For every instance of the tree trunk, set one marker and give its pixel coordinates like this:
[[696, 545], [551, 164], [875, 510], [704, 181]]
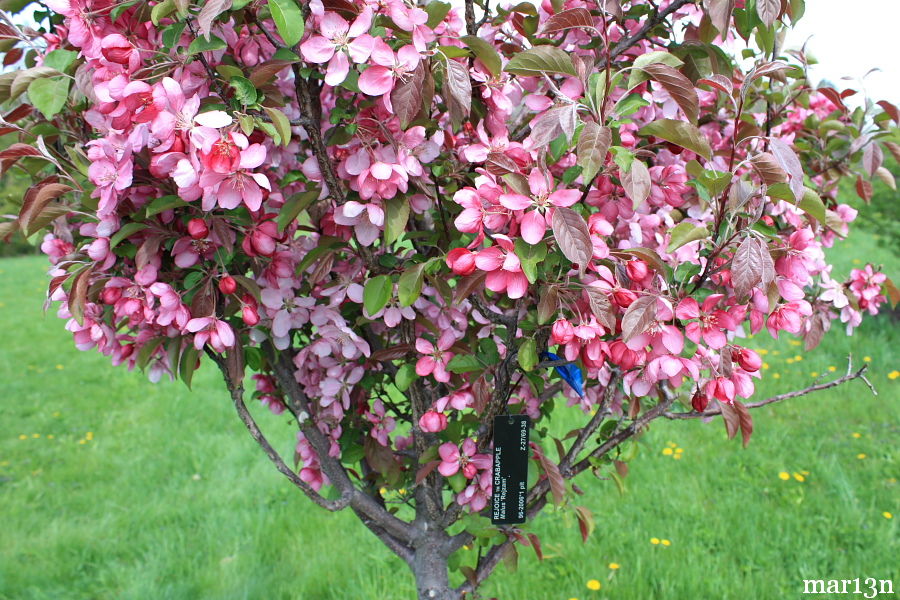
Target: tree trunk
[[429, 566]]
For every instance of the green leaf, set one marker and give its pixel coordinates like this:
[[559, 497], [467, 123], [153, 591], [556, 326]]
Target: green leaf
[[528, 358], [464, 363], [437, 12], [685, 233], [123, 233], [812, 205], [530, 257], [60, 59], [161, 11], [172, 34], [244, 90], [288, 20], [629, 104], [488, 352], [163, 204], [147, 350], [485, 52], [679, 133], [405, 376], [376, 294], [395, 218], [188, 365], [206, 45], [541, 59], [281, 123], [409, 287], [637, 75], [293, 207], [49, 94]]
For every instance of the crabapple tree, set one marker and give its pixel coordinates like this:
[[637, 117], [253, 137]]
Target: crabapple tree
[[398, 220]]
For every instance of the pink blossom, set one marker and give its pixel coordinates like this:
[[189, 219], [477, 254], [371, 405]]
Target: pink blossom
[[379, 78], [209, 329], [503, 267], [454, 459], [337, 43], [711, 323], [534, 222], [436, 358], [433, 421]]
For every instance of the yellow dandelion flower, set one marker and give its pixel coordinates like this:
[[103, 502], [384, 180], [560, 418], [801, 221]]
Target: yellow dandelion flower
[[784, 475], [82, 442], [799, 477], [50, 436], [893, 374], [860, 456], [89, 435], [798, 358], [667, 451], [765, 365], [794, 342], [593, 584], [805, 473], [856, 435], [762, 351], [790, 361], [832, 369], [35, 435], [402, 491], [857, 261], [613, 566], [573, 598], [23, 437], [382, 491], [776, 352], [677, 457], [56, 414], [60, 367], [776, 375], [654, 541], [813, 373], [671, 444], [666, 543], [867, 359], [887, 515], [593, 411], [679, 450]]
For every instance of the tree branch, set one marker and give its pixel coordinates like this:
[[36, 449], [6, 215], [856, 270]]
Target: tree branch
[[859, 374], [236, 389], [298, 402]]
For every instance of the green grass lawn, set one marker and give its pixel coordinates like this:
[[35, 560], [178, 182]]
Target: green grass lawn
[[112, 487]]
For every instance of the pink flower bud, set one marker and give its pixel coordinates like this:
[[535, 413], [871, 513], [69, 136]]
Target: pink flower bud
[[433, 421], [623, 298], [461, 261], [250, 316], [227, 285], [197, 229], [748, 359], [637, 270], [111, 295], [700, 401], [99, 249], [562, 332], [262, 243]]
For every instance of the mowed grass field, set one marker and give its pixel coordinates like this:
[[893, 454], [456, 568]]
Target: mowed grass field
[[113, 487]]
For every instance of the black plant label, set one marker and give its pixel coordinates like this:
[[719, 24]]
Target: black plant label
[[510, 484]]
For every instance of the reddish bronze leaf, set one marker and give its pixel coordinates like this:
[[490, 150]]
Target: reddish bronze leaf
[[569, 19], [573, 236], [638, 317], [601, 307], [768, 169], [745, 421], [679, 87]]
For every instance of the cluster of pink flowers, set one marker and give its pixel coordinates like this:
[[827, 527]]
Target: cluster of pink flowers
[[443, 187]]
